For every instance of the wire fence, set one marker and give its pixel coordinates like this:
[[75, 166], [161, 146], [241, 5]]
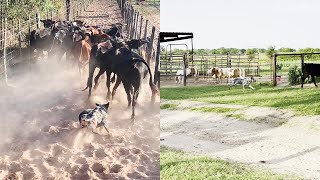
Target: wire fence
[[14, 39], [14, 35], [139, 27]]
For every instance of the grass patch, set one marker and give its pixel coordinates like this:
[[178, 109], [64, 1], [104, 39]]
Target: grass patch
[[303, 101], [168, 106], [212, 109], [237, 116], [179, 165]]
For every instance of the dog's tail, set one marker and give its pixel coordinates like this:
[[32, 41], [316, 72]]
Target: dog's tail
[[153, 87]]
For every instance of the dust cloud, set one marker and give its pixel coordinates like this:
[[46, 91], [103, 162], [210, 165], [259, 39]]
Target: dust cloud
[[41, 137]]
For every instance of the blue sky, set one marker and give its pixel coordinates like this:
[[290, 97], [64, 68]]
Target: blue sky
[[244, 23]]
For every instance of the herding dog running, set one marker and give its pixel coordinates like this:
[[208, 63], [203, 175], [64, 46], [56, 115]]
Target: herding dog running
[[242, 81], [94, 118]]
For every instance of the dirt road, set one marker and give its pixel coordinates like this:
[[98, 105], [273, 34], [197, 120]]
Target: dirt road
[[293, 148]]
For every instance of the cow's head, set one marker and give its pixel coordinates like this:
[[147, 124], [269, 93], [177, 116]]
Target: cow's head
[[105, 46], [48, 23]]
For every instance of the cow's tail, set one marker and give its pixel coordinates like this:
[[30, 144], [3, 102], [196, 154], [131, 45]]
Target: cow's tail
[[153, 87]]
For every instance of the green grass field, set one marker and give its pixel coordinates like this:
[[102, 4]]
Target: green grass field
[[168, 106], [178, 165], [302, 101]]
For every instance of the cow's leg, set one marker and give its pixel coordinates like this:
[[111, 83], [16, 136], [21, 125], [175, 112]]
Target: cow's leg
[[302, 80], [96, 79], [136, 87], [92, 67], [127, 88], [108, 84], [118, 81], [314, 80]]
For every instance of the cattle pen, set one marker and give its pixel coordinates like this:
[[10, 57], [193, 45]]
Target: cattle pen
[[15, 33], [41, 98], [289, 60]]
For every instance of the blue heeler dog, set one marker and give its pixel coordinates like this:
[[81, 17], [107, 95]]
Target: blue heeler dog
[[94, 118], [242, 81]]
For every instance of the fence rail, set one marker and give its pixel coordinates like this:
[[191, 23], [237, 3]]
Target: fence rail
[[171, 63], [138, 27]]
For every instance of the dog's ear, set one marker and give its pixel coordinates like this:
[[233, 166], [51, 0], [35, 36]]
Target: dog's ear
[[97, 104], [106, 105]]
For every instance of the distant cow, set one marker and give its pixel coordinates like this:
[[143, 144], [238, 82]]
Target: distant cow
[[220, 73], [189, 72], [310, 69]]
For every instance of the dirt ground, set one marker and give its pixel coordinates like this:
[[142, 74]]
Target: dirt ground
[[200, 81], [40, 133], [292, 148]]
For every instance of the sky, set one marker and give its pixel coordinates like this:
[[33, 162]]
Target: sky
[[244, 23]]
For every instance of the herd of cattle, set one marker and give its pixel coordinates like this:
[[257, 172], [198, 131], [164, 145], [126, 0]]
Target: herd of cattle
[[237, 75], [218, 73], [106, 49]]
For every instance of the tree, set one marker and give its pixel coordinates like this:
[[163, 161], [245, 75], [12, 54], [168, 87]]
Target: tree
[[242, 51], [250, 53], [234, 51], [284, 49], [223, 50], [270, 51], [262, 50]]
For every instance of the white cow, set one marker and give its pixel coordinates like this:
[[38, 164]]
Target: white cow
[[180, 75]]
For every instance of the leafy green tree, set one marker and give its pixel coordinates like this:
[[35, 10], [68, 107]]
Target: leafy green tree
[[284, 49], [262, 50], [242, 51], [270, 51], [222, 50], [234, 51], [250, 53]]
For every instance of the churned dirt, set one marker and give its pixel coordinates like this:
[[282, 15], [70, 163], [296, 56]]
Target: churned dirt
[[40, 133]]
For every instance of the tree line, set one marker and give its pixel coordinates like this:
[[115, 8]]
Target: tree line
[[22, 9], [268, 51]]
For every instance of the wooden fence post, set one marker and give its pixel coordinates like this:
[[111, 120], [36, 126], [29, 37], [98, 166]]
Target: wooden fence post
[[133, 24], [146, 29], [150, 45], [145, 36], [29, 49], [38, 20], [19, 38], [274, 69], [302, 61], [136, 27], [5, 49], [141, 21], [156, 66]]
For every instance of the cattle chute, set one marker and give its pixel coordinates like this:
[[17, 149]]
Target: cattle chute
[[176, 36]]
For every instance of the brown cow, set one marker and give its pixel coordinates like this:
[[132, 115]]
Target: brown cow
[[81, 51]]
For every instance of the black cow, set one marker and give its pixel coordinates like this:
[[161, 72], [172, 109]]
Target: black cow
[[136, 43], [310, 69], [127, 65]]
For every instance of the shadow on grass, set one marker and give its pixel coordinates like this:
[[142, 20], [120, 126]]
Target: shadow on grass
[[304, 101]]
